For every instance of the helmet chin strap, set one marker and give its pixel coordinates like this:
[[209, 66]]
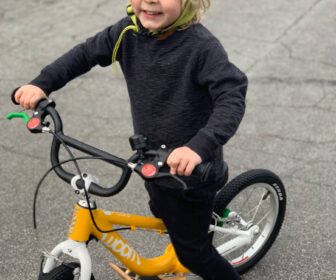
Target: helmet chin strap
[[186, 16], [133, 27]]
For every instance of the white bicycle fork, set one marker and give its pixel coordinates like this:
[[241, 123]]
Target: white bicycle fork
[[77, 250]]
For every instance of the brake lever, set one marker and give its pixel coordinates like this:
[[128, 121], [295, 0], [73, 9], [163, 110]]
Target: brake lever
[[36, 123], [154, 160], [151, 169]]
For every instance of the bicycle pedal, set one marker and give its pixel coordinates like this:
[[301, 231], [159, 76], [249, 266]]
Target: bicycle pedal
[[123, 272], [127, 275]]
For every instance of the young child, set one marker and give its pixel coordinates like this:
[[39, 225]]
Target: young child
[[184, 93]]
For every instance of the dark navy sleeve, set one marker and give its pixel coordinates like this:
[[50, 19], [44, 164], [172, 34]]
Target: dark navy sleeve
[[96, 50], [227, 86]]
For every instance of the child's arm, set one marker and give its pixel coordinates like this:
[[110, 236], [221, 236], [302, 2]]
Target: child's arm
[[227, 86], [94, 51], [79, 60]]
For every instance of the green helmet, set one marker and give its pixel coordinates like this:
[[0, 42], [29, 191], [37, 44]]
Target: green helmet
[[187, 15]]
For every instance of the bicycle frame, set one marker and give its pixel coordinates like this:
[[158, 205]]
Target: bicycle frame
[[82, 230]]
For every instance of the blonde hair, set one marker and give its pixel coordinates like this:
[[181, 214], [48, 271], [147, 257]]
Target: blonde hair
[[197, 7]]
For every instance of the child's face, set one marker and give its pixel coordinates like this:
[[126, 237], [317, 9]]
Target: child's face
[[155, 15]]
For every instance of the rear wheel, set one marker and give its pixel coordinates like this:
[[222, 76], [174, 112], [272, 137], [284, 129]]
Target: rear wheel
[[256, 197]]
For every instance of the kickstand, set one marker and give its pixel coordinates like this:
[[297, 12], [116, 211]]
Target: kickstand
[[179, 276]]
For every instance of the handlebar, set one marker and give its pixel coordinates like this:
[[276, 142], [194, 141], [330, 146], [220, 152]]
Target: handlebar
[[47, 108], [147, 163]]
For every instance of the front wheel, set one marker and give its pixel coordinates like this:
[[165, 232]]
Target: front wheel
[[254, 198], [65, 271]]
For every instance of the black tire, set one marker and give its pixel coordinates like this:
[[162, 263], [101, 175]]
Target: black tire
[[62, 272], [247, 182]]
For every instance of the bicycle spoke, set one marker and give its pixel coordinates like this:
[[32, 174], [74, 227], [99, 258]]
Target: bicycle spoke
[[265, 216], [258, 206], [247, 201]]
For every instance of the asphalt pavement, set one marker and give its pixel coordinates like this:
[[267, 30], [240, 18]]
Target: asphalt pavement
[[287, 48]]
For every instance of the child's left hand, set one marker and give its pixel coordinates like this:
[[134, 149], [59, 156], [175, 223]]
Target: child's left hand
[[183, 161]]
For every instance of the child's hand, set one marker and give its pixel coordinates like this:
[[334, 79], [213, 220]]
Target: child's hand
[[183, 161], [28, 96]]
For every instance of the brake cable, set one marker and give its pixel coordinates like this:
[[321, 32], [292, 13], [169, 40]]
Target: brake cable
[[73, 159]]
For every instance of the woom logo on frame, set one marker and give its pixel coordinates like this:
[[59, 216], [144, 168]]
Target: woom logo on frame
[[119, 246]]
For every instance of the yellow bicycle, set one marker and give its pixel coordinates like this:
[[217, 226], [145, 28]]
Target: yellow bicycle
[[247, 217]]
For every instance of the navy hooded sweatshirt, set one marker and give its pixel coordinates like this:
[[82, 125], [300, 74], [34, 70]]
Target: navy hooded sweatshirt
[[183, 90]]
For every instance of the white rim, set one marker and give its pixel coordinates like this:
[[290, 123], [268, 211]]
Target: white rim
[[247, 203]]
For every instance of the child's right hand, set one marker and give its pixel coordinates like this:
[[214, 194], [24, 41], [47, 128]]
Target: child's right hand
[[28, 96]]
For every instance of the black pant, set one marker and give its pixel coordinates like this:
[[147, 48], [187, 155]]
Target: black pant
[[187, 215]]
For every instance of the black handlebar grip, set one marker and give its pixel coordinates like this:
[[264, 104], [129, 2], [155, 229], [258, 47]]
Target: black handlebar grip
[[203, 171], [13, 96], [43, 103]]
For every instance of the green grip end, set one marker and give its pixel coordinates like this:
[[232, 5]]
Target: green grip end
[[21, 115]]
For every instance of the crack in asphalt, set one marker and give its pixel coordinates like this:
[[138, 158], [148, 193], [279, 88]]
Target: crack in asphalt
[[308, 61], [14, 151], [293, 81], [284, 33], [297, 21]]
